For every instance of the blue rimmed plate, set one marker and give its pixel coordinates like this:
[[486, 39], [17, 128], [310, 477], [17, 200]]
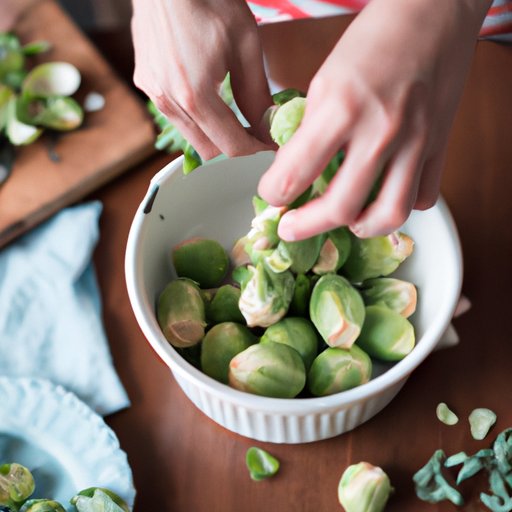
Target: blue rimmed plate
[[65, 444]]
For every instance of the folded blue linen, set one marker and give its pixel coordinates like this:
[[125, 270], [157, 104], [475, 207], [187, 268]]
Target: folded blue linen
[[50, 310]]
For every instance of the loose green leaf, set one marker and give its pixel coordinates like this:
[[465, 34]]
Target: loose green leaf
[[36, 47], [260, 463], [445, 415], [481, 420]]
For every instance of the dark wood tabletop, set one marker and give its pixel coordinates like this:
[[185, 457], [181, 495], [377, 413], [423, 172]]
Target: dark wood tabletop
[[184, 462]]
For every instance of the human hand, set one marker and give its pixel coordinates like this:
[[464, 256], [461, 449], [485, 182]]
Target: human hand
[[183, 51], [387, 94]]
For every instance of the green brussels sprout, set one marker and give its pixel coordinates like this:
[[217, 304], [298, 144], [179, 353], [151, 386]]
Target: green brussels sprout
[[337, 310], [181, 314], [18, 133], [56, 112], [42, 505], [298, 256], [16, 484], [299, 305], [398, 295], [338, 369], [221, 343], [268, 369], [100, 500], [334, 251], [260, 463], [296, 332], [282, 97], [386, 335], [223, 307], [364, 487], [52, 79], [286, 119], [12, 60], [377, 256], [202, 260], [266, 296]]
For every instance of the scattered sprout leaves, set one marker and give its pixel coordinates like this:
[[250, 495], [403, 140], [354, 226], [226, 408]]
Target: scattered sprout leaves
[[481, 421], [446, 415], [260, 463]]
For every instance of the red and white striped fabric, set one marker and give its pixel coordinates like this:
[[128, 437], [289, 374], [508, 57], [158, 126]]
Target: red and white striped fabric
[[497, 24]]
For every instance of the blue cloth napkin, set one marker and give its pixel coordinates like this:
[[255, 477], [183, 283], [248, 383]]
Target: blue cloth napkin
[[50, 310]]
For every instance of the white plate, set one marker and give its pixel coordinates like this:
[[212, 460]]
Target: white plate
[[64, 443]]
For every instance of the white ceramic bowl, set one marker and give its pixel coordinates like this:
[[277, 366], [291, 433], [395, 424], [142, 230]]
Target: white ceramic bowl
[[215, 202]]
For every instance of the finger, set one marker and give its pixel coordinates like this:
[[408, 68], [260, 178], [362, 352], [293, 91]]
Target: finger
[[345, 196], [304, 157], [187, 127], [250, 86], [397, 193], [219, 123], [430, 182]]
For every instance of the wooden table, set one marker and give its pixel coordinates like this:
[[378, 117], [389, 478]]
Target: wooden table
[[184, 462]]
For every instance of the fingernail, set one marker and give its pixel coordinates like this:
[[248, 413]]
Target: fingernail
[[286, 229], [357, 229]]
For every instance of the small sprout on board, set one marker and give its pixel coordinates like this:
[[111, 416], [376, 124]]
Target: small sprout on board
[[364, 487], [52, 79], [446, 415], [481, 421], [260, 463]]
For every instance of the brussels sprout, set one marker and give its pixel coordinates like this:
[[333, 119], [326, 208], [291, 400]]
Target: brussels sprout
[[52, 79], [299, 305], [239, 255], [377, 256], [12, 59], [398, 295], [268, 369], [202, 260], [338, 369], [35, 48], [18, 133], [298, 333], [181, 313], [286, 119], [42, 505], [298, 256], [266, 296], [386, 335], [334, 252], [337, 310], [6, 94], [282, 97], [364, 487], [223, 307], [16, 484], [101, 500], [57, 112], [221, 343], [260, 463], [262, 237]]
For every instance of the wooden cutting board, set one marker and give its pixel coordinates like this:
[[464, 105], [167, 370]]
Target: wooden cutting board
[[57, 171]]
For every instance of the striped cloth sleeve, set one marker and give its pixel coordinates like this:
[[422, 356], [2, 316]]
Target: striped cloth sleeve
[[497, 24]]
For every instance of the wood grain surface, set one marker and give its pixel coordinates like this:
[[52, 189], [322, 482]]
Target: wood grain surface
[[184, 462], [109, 142]]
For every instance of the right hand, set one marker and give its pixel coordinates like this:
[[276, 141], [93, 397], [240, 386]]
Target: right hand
[[183, 51]]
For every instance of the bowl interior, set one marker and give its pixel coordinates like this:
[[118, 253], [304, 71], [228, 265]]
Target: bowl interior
[[215, 202]]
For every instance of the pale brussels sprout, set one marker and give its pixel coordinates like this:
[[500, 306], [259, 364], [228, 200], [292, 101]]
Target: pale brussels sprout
[[386, 335], [56, 112], [202, 260], [266, 295], [298, 256], [93, 498], [364, 487], [377, 256], [221, 343], [181, 313], [52, 79], [268, 369], [337, 310], [296, 332], [286, 119], [396, 294], [42, 505], [16, 484], [338, 369]]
